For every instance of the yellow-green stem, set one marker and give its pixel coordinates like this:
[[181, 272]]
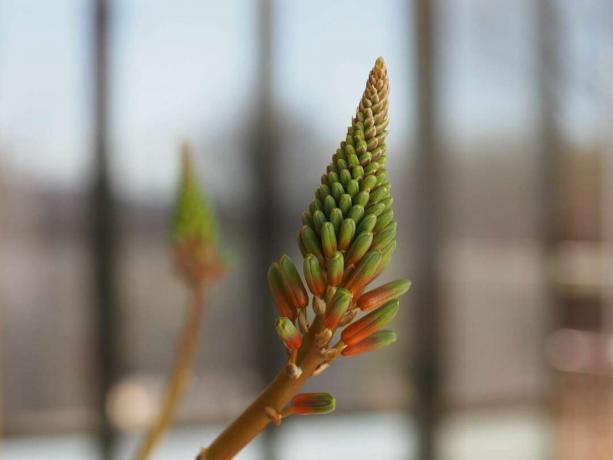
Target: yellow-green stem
[[276, 395], [178, 379]]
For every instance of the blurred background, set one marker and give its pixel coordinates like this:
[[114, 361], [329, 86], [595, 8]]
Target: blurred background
[[500, 156]]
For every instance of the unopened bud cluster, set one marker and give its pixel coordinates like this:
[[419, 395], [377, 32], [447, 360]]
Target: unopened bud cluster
[[347, 239], [194, 229]]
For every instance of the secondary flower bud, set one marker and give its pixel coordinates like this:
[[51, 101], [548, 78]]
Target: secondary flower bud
[[288, 333], [358, 248], [385, 237], [293, 282], [384, 219], [383, 294], [314, 275], [279, 292], [346, 234], [370, 323], [371, 343], [364, 272], [336, 266], [313, 403], [337, 308], [310, 242], [336, 217], [328, 239], [367, 224]]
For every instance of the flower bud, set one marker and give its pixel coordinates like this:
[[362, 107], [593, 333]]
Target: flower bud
[[310, 242], [329, 204], [375, 209], [314, 275], [337, 190], [364, 272], [346, 234], [362, 198], [384, 219], [368, 183], [293, 282], [371, 343], [336, 267], [288, 333], [358, 248], [353, 187], [357, 172], [385, 237], [356, 213], [380, 193], [345, 204], [383, 294], [307, 219], [370, 323], [367, 225], [336, 217], [337, 308], [279, 293], [319, 218], [313, 403], [345, 175], [328, 239]]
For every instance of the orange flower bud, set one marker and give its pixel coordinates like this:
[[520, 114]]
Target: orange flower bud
[[383, 294]]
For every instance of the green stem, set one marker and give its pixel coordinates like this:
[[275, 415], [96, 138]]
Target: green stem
[[178, 379]]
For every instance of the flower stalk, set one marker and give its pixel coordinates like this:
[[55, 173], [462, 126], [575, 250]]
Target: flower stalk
[[194, 236], [347, 239]]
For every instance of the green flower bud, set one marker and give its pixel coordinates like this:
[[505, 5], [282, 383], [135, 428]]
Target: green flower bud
[[279, 292], [356, 213], [353, 187], [365, 271], [319, 218], [375, 209], [315, 205], [357, 172], [384, 219], [322, 192], [328, 239], [337, 190], [292, 280], [336, 217], [367, 224], [368, 183], [345, 176], [385, 237], [307, 219], [288, 333], [336, 267], [311, 242], [314, 275], [346, 234], [362, 198], [380, 193], [337, 308], [329, 204], [358, 248], [332, 178], [345, 203]]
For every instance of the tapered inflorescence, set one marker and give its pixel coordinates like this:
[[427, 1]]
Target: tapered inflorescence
[[347, 239], [194, 228]]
